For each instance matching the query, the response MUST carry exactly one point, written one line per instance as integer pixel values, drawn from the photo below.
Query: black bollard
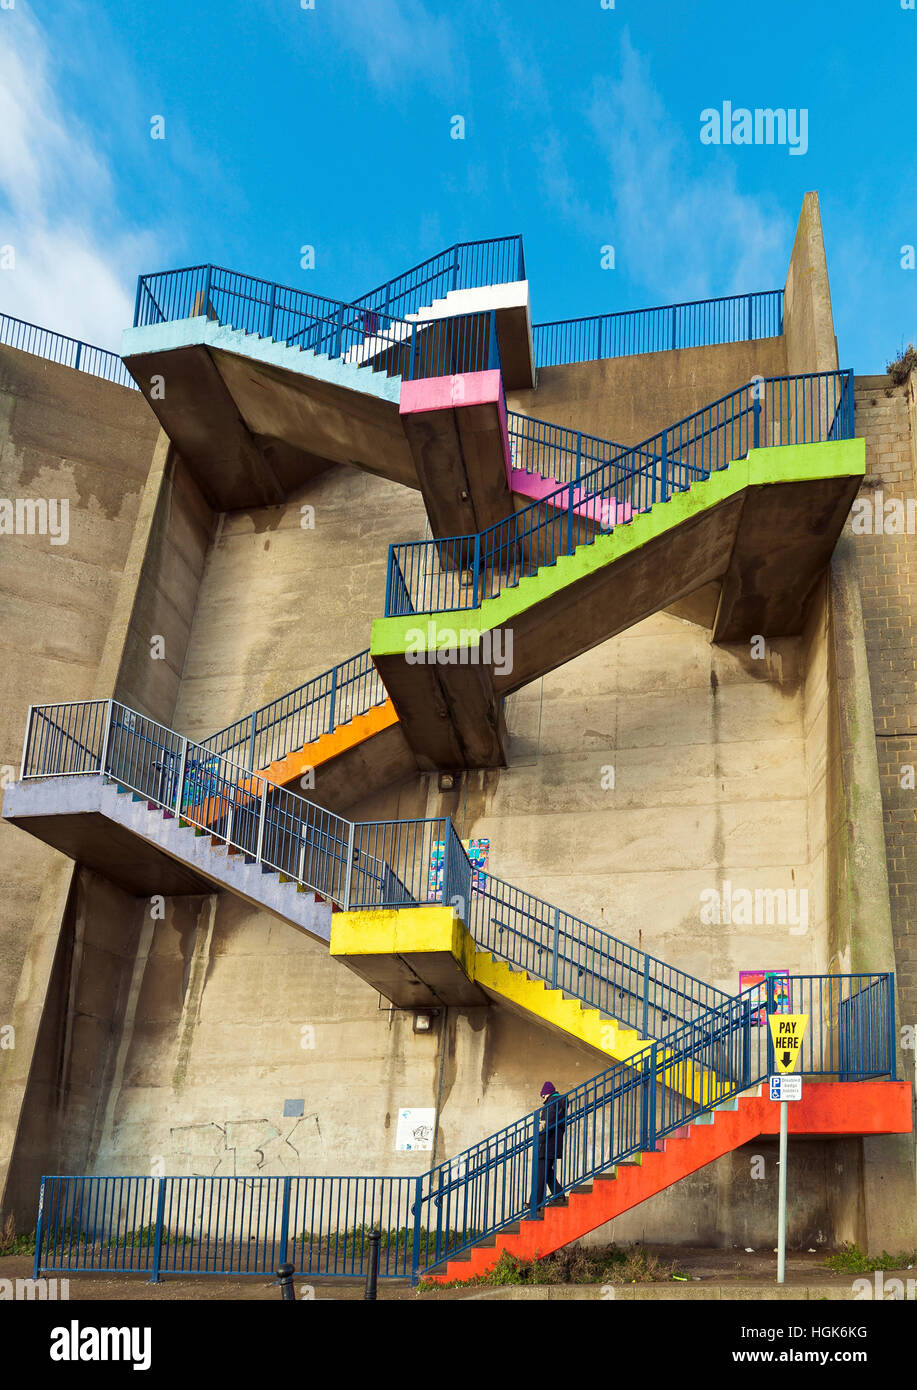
(372, 1272)
(285, 1280)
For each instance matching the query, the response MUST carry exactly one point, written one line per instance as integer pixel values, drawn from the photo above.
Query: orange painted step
(828, 1109)
(340, 740)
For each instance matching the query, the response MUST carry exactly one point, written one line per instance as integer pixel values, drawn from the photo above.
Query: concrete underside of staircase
(761, 530)
(827, 1110)
(255, 419)
(147, 852)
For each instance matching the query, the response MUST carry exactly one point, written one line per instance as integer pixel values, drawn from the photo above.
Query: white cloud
(685, 234)
(74, 261)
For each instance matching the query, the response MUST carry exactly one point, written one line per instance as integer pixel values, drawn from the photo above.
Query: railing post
(206, 305)
(103, 756)
(157, 1235)
(413, 354)
(285, 1220)
(270, 326)
(251, 742)
(415, 1244)
(339, 333)
(570, 495)
(261, 818)
(648, 1101)
(137, 301)
(554, 948)
(674, 310)
(476, 570)
(851, 419)
(664, 489)
(746, 1045)
(579, 454)
(79, 354)
(25, 743)
(756, 407)
(892, 1043)
(348, 868)
(39, 1231)
(750, 297)
(645, 1023)
(334, 686)
(180, 785)
(533, 1198)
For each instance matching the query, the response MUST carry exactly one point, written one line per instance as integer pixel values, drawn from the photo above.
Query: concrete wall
(63, 435)
(808, 323)
(286, 593)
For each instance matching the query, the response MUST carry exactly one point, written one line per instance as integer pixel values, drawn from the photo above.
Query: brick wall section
(887, 569)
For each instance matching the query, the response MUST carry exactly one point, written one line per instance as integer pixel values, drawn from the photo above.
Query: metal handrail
(300, 716)
(252, 1225)
(456, 572)
(660, 328)
(69, 352)
(630, 1107)
(466, 265)
(327, 854)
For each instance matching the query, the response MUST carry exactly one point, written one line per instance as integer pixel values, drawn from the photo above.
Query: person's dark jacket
(551, 1138)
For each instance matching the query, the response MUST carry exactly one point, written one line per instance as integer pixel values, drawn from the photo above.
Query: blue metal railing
(586, 962)
(359, 335)
(359, 864)
(302, 715)
(458, 572)
(698, 323)
(354, 864)
(628, 1109)
(553, 451)
(174, 1225)
(467, 265)
(69, 352)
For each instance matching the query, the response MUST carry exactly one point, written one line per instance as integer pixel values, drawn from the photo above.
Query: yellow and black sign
(787, 1031)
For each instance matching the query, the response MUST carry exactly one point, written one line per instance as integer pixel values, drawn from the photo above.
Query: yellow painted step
(587, 1024)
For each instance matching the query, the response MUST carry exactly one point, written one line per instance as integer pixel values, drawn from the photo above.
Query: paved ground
(713, 1273)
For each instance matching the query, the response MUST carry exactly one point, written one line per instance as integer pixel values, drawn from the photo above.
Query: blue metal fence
(361, 336)
(301, 716)
(585, 962)
(698, 323)
(553, 451)
(354, 864)
(70, 352)
(320, 1224)
(467, 265)
(458, 572)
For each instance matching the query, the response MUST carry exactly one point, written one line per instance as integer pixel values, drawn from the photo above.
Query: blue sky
(330, 127)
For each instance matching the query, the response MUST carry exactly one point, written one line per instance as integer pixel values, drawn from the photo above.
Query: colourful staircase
(826, 1110)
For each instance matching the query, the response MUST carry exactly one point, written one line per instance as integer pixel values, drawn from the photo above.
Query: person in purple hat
(550, 1145)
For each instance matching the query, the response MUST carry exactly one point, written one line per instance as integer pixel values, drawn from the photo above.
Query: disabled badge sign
(787, 1031)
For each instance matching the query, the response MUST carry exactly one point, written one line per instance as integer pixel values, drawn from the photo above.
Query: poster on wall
(478, 852)
(415, 1129)
(781, 991)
